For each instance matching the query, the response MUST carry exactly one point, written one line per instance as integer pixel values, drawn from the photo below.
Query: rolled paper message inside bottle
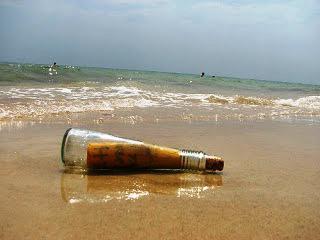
(92, 150)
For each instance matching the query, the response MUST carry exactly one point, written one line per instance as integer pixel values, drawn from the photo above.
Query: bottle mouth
(63, 144)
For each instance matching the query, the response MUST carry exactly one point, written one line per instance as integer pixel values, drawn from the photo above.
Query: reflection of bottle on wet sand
(132, 186)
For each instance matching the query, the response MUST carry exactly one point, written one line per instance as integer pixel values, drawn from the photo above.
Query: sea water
(37, 91)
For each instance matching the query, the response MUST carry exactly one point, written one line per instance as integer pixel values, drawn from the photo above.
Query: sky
(270, 40)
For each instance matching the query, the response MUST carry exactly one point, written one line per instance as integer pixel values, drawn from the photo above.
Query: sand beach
(268, 189)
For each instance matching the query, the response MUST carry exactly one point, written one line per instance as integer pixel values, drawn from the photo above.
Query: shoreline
(160, 115)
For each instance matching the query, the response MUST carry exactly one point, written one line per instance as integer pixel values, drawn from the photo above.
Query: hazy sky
(272, 40)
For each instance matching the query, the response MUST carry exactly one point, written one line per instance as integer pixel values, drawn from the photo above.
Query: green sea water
(14, 74)
(43, 89)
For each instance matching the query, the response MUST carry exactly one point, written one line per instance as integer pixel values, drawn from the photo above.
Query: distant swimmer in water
(202, 74)
(52, 69)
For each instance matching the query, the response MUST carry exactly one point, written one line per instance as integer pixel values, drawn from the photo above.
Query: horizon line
(187, 73)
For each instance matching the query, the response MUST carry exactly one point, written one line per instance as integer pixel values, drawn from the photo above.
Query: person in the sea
(202, 74)
(54, 65)
(52, 69)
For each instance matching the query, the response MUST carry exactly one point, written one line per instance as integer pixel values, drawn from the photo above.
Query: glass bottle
(86, 149)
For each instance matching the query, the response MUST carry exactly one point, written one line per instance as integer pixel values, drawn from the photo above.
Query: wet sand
(269, 188)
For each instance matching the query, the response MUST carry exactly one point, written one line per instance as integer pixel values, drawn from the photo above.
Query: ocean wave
(219, 100)
(310, 102)
(253, 101)
(19, 102)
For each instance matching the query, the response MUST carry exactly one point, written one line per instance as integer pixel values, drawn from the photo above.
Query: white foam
(310, 102)
(64, 90)
(55, 100)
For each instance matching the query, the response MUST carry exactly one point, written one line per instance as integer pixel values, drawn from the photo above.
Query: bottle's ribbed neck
(199, 161)
(193, 160)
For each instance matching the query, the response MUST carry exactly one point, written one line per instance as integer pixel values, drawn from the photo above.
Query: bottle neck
(192, 160)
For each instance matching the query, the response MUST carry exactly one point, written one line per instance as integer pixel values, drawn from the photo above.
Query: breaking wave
(32, 102)
(310, 102)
